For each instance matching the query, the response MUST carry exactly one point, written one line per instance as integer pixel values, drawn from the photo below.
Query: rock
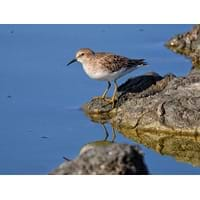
(105, 158)
(172, 104)
(187, 44)
(154, 103)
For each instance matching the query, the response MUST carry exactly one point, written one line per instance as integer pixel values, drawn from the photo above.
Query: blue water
(40, 98)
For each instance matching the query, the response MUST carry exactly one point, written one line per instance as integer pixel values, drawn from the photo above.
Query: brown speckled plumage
(113, 63)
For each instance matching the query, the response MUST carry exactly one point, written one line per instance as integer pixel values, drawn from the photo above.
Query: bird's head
(82, 56)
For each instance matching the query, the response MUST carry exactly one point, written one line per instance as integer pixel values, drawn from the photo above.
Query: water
(40, 98)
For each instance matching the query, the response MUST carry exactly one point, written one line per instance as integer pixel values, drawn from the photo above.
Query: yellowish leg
(112, 100)
(114, 94)
(106, 91)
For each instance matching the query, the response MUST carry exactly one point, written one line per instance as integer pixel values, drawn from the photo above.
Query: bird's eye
(82, 54)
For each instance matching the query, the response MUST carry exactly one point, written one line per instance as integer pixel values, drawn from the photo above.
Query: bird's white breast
(94, 73)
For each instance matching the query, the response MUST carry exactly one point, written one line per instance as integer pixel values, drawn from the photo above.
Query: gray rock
(109, 158)
(187, 44)
(154, 103)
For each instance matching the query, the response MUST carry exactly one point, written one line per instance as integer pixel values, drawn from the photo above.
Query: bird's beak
(74, 60)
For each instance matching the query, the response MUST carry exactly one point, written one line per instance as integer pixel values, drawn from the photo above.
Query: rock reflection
(183, 147)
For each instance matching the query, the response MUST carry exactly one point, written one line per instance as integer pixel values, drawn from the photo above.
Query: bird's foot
(101, 98)
(98, 97)
(111, 101)
(106, 101)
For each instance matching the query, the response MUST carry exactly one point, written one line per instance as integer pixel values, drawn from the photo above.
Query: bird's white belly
(104, 75)
(95, 73)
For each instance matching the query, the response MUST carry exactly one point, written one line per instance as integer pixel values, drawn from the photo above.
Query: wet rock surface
(105, 159)
(187, 44)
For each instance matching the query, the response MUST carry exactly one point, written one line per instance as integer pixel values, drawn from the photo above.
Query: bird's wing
(112, 62)
(115, 62)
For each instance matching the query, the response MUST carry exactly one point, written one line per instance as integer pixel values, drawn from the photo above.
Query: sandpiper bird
(106, 67)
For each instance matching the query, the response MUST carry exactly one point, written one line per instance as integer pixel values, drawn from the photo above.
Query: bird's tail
(141, 62)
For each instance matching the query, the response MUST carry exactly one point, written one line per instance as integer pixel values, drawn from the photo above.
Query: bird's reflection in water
(102, 120)
(107, 133)
(98, 143)
(103, 142)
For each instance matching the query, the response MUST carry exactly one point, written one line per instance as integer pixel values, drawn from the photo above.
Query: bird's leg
(112, 100)
(106, 91)
(114, 94)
